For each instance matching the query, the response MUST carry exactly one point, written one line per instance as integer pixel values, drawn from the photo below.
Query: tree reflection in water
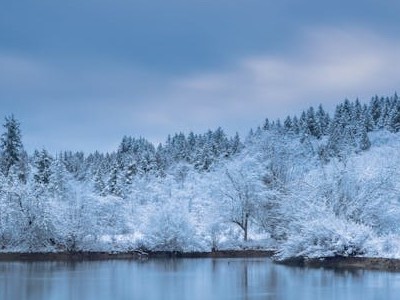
(237, 278)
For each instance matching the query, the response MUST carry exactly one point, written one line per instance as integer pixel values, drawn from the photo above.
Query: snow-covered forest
(312, 185)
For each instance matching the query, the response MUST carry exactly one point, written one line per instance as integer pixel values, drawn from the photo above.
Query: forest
(312, 185)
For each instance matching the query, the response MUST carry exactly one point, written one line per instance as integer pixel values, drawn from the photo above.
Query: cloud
(17, 72)
(92, 105)
(327, 66)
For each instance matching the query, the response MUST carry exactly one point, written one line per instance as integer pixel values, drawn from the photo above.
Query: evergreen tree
(191, 144)
(357, 110)
(59, 180)
(219, 143)
(364, 143)
(339, 133)
(126, 145)
(322, 122)
(312, 124)
(236, 144)
(369, 125)
(394, 118)
(113, 183)
(303, 126)
(288, 125)
(98, 183)
(278, 125)
(295, 125)
(160, 162)
(383, 121)
(42, 163)
(266, 125)
(12, 151)
(375, 110)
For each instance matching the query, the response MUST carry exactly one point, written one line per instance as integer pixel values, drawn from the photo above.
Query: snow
(280, 190)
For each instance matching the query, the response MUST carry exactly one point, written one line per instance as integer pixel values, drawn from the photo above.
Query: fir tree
(236, 144)
(364, 143)
(42, 162)
(288, 125)
(368, 122)
(113, 183)
(295, 125)
(59, 180)
(303, 126)
(12, 149)
(98, 183)
(266, 125)
(375, 109)
(312, 125)
(394, 118)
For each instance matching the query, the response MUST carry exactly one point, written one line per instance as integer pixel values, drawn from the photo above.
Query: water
(255, 278)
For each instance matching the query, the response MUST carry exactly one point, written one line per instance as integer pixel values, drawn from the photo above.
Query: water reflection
(189, 279)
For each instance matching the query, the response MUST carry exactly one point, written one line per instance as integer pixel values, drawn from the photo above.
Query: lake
(205, 278)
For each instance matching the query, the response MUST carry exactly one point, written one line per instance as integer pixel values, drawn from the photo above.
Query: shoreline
(337, 262)
(346, 263)
(131, 255)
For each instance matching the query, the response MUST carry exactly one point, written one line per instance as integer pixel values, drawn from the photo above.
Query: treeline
(345, 132)
(113, 173)
(70, 198)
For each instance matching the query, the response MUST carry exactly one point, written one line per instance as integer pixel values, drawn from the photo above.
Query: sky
(81, 74)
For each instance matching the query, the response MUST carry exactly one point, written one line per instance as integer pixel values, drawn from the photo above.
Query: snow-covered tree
(42, 163)
(12, 150)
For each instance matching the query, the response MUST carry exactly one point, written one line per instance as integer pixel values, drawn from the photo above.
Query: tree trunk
(245, 227)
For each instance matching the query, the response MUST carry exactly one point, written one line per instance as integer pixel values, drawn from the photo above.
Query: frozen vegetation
(311, 186)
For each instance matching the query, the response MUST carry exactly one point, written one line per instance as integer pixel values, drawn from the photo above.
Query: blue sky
(81, 74)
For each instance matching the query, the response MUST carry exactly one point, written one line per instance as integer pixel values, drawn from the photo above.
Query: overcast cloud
(84, 84)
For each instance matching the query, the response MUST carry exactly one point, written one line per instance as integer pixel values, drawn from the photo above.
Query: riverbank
(342, 262)
(80, 256)
(338, 262)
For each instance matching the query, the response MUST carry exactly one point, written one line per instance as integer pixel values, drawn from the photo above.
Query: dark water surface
(253, 278)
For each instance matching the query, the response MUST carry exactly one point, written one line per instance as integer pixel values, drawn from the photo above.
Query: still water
(202, 279)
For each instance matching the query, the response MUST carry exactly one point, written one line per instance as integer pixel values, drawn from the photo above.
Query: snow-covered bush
(324, 237)
(225, 236)
(384, 246)
(169, 229)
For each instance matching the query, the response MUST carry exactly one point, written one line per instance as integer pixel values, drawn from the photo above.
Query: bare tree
(241, 195)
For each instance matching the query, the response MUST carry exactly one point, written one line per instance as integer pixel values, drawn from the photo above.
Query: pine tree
(303, 127)
(191, 144)
(59, 180)
(394, 118)
(160, 162)
(369, 125)
(364, 143)
(12, 149)
(278, 125)
(337, 141)
(295, 125)
(322, 119)
(288, 125)
(383, 121)
(98, 183)
(312, 125)
(126, 145)
(375, 110)
(113, 184)
(236, 144)
(266, 125)
(42, 162)
(219, 143)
